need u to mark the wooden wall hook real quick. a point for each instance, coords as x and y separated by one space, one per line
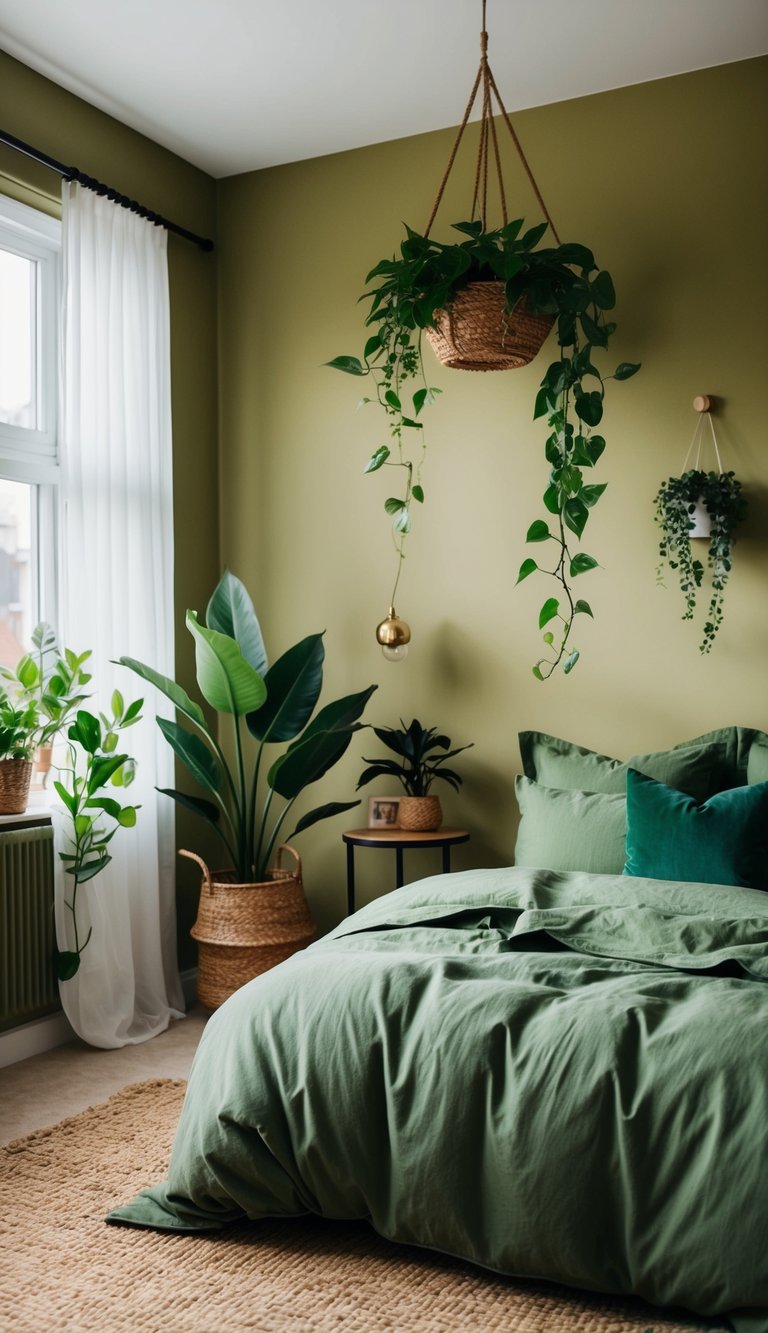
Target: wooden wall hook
703 402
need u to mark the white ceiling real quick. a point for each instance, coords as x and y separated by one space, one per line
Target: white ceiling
234 85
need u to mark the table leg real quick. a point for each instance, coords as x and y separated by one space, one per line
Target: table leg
446 859
399 877
350 879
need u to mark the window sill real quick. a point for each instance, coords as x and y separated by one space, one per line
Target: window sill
38 812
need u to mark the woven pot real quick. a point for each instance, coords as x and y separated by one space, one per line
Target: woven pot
244 929
475 332
15 777
420 814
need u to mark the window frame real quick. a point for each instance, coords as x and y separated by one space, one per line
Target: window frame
30 455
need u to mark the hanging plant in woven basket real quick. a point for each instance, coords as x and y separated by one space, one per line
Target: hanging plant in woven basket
488 301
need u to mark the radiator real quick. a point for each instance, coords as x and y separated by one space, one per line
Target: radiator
28 987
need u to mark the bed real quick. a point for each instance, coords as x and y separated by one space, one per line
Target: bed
553 1073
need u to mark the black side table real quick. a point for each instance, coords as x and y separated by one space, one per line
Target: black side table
399 839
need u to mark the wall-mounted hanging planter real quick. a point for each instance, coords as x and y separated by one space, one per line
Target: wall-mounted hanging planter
700 504
488 302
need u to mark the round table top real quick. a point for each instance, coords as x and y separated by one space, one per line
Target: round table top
402 837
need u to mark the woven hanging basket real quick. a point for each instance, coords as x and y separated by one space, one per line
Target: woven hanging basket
419 814
243 930
476 332
15 778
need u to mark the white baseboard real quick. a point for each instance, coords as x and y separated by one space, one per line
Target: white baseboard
44 1034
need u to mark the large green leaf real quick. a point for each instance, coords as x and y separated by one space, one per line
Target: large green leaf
170 689
306 762
206 809
293 688
227 682
230 611
340 714
321 812
195 754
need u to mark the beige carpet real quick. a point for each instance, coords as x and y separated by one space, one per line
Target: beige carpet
62 1268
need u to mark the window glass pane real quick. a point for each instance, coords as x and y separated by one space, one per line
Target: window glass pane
18 275
18 569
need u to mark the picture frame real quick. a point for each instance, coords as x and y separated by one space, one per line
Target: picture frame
383 811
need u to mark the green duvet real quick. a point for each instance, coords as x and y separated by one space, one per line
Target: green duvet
554 1075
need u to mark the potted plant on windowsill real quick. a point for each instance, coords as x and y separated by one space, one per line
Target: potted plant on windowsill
525 290
719 495
42 693
253 913
421 753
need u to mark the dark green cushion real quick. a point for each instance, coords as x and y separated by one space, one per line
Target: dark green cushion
570 830
720 841
698 768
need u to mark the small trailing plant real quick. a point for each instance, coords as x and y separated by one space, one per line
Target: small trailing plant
421 753
721 495
562 281
93 818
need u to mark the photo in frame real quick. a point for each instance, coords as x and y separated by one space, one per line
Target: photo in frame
383 811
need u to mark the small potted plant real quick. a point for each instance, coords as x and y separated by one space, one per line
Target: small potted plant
421 753
42 694
719 496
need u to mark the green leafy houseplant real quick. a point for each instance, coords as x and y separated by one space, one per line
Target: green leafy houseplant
44 690
720 494
266 705
94 765
421 753
563 281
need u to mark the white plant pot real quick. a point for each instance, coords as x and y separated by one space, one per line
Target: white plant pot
702 521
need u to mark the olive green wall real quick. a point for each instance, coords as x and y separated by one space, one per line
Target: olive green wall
44 115
665 183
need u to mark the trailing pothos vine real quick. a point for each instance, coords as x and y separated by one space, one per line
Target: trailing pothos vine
571 397
561 281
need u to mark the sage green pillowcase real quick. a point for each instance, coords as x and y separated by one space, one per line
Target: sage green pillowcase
698 768
570 830
746 753
720 841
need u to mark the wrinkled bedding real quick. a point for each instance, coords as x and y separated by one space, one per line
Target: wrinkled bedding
553 1075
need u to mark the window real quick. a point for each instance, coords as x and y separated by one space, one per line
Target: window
29 285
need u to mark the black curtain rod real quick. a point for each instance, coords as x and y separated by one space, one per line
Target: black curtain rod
90 183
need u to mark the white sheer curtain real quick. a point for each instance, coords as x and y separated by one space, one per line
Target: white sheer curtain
117 590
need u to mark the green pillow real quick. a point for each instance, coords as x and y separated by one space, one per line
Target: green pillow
720 841
570 830
757 763
698 768
746 753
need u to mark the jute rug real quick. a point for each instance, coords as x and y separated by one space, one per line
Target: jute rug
62 1268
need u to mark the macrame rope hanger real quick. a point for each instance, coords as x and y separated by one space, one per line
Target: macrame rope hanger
488 139
703 405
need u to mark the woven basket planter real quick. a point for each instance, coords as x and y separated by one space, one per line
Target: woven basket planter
15 778
476 332
419 814
243 930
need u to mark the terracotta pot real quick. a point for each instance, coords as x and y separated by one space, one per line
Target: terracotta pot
244 929
420 814
43 759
